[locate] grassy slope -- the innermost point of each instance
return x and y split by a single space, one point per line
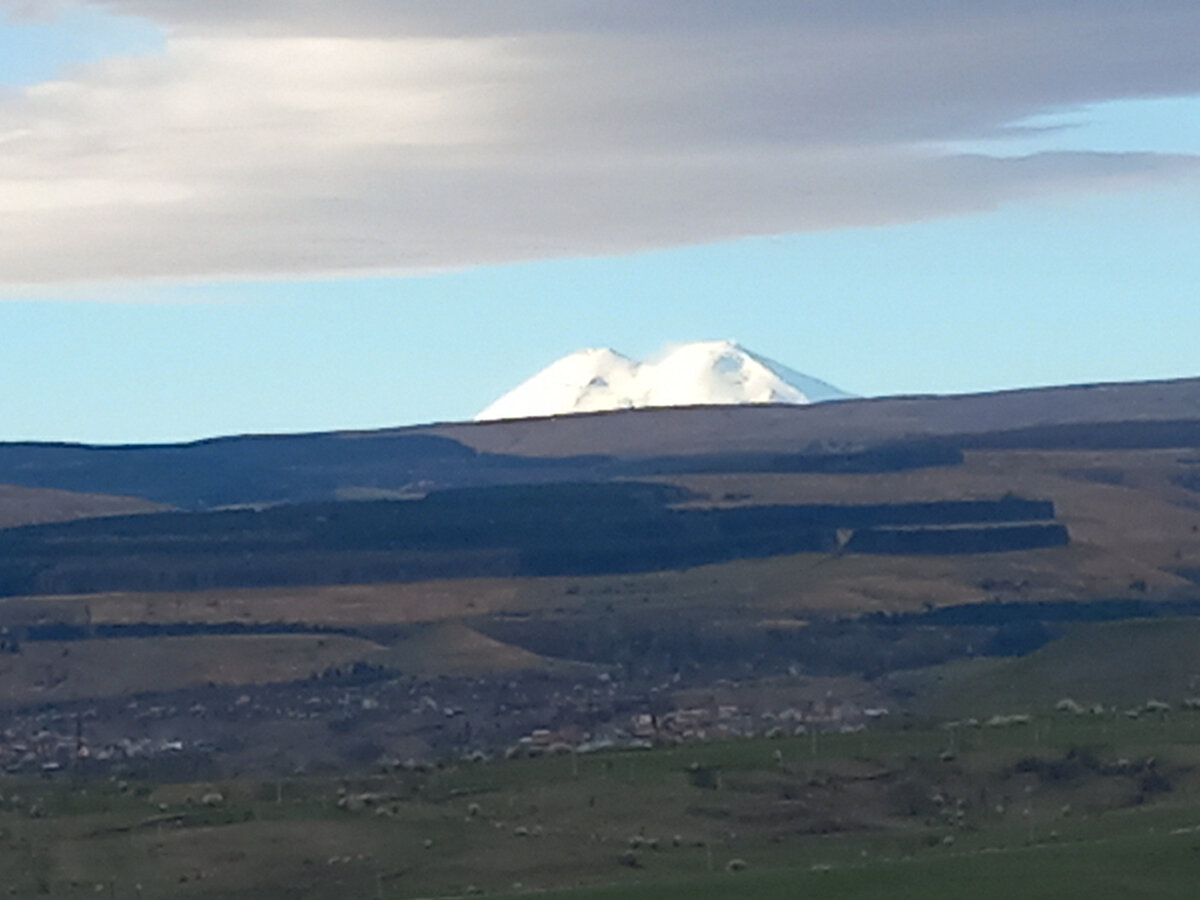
1122 663
33 506
562 822
1135 866
57 671
52 671
454 649
326 605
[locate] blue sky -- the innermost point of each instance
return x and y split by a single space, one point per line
35 49
188 254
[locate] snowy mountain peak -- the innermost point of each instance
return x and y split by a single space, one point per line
698 373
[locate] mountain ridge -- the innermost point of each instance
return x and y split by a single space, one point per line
699 373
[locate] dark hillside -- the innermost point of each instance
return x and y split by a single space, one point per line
940 541
260 470
230 470
569 528
304 468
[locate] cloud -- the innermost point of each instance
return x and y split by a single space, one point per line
302 137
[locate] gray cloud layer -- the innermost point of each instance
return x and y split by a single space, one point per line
302 136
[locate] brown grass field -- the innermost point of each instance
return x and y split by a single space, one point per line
57 671
35 506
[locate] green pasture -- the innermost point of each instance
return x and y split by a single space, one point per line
823 816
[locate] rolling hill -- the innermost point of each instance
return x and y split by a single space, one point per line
563 572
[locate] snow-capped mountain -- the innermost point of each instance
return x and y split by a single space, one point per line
699 373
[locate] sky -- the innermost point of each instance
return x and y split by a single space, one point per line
247 216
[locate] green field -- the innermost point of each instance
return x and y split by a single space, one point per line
1065 806
1124 865
1122 663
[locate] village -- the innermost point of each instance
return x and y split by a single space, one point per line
321 723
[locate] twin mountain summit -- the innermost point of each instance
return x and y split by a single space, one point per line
598 379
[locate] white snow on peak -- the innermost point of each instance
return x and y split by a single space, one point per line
699 373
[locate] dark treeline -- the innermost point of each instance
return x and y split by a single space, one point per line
940 541
658 646
355 674
563 528
524 516
869 515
